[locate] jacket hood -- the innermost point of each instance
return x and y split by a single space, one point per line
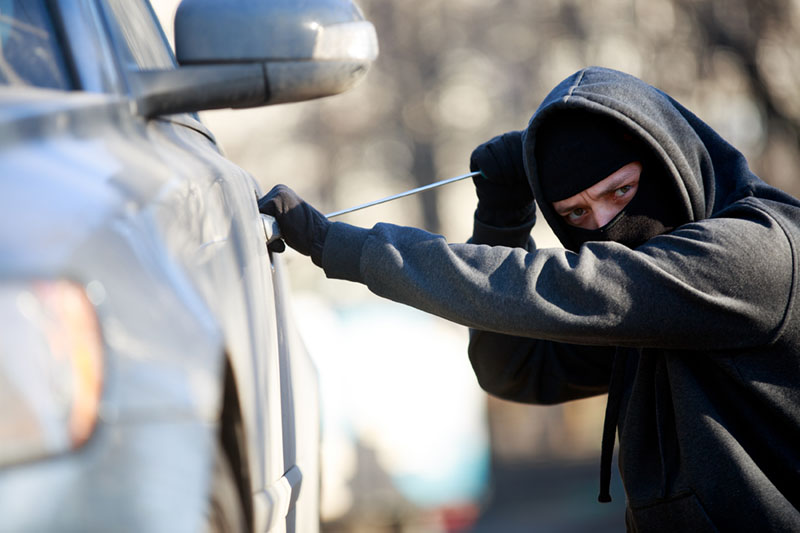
708 173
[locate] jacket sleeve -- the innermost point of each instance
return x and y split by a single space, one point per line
530 370
717 284
538 371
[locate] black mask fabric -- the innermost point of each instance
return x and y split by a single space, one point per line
654 210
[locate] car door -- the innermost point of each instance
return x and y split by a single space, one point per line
208 217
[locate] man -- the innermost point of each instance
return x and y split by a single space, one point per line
676 293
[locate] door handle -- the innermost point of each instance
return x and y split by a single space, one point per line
271 230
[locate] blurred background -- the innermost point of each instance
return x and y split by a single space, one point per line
410 443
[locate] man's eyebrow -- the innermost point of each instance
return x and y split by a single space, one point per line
615 183
566 208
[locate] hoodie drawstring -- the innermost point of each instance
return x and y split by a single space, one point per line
610 423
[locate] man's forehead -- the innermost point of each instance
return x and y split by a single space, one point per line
617 178
627 173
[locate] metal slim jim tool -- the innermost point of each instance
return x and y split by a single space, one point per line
273 232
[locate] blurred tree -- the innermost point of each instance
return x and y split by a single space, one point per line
415 62
761 35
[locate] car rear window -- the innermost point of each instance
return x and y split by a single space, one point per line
29 52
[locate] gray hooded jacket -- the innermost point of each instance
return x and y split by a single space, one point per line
695 334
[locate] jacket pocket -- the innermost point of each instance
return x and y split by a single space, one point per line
682 512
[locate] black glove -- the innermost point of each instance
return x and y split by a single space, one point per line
302 227
505 197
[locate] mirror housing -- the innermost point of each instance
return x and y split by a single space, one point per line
248 53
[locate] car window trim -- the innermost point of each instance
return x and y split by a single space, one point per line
85 39
62 42
104 12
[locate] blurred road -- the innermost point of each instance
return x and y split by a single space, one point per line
551 497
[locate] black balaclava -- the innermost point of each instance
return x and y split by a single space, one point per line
576 149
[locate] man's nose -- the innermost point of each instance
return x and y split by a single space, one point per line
605 214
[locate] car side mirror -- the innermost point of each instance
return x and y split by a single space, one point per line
248 53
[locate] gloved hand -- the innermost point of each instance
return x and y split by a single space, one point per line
504 193
302 227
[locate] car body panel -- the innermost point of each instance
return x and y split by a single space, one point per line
83 491
75 218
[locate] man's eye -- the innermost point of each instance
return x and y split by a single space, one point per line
622 191
576 213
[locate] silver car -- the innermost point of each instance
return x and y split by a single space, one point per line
150 375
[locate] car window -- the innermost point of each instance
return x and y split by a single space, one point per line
29 51
138 36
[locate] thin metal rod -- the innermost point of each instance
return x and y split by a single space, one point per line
402 194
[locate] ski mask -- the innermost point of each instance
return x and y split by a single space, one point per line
576 149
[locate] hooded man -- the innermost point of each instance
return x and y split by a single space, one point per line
676 293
